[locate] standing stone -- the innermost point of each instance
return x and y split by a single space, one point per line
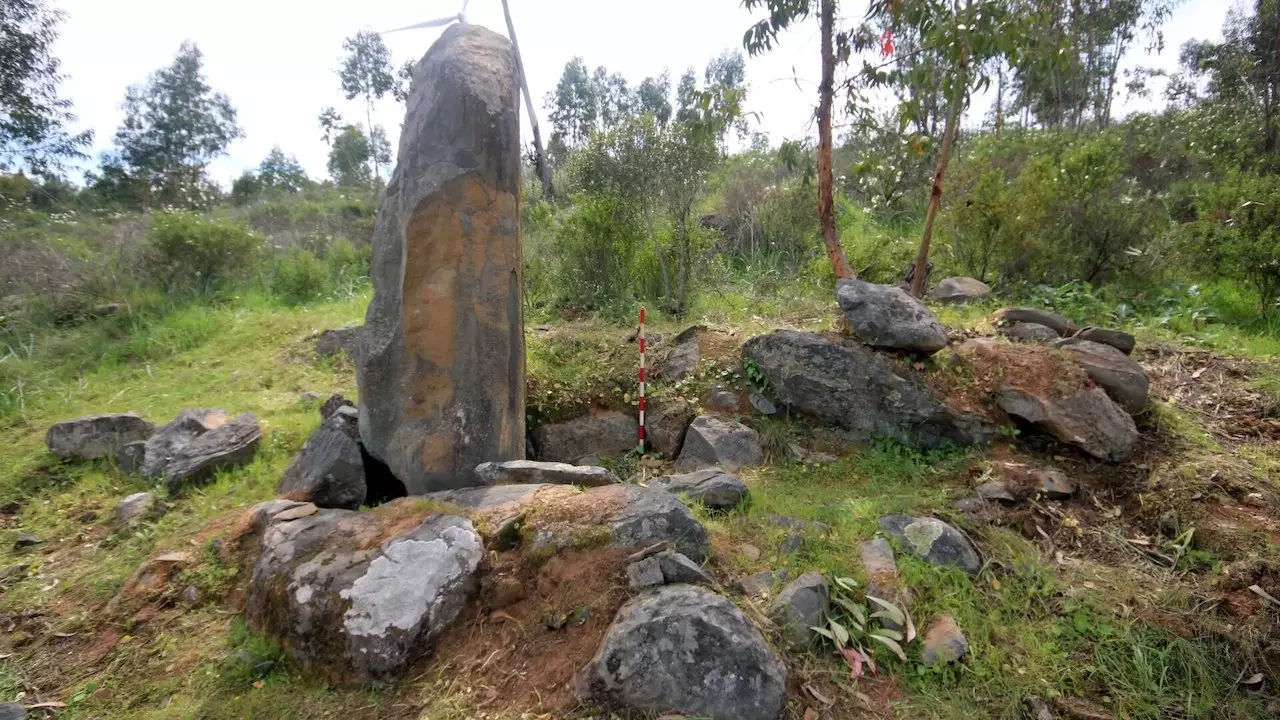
441 362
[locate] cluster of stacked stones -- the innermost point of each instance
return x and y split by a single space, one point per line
354 597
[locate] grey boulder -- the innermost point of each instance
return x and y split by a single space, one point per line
684 649
712 487
599 434
229 446
960 290
531 471
96 436
354 614
719 441
681 361
12 711
676 568
131 457
329 471
888 317
666 424
801 605
850 386
1029 332
725 401
934 541
1123 379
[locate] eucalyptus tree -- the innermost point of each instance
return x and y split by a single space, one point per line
367 73
762 37
33 116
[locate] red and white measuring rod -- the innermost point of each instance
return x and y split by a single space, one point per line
640 448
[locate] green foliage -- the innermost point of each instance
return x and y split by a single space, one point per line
348 158
595 249
174 125
199 254
1235 233
299 276
33 117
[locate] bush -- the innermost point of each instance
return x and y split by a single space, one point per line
1236 234
595 250
298 276
200 254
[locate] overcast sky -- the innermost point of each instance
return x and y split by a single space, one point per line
277 59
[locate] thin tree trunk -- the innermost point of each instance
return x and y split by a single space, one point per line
999 99
373 143
657 251
826 183
935 196
544 168
1274 90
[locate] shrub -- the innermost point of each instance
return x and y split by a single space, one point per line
298 276
595 249
201 254
1236 234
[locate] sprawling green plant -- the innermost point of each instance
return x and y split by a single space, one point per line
201 254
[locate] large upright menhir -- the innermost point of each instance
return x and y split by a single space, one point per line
441 367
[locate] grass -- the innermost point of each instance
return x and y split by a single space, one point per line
1034 625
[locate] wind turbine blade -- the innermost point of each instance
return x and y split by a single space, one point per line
428 24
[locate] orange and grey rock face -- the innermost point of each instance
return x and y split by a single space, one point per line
441 369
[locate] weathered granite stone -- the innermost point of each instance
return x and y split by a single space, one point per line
595 435
887 317
96 436
441 366
713 440
231 445
173 436
934 541
960 290
685 649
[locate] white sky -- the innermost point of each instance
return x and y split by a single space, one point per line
277 59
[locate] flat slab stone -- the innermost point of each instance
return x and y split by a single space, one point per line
713 487
960 290
1060 324
1122 341
1029 332
228 446
96 436
531 471
171 437
1123 379
485 498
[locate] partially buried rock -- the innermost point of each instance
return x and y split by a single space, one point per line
441 367
342 340
356 614
334 402
681 361
720 441
846 384
25 541
800 606
173 436
887 317
12 711
757 583
685 649
882 573
943 642
725 401
1122 341
96 436
599 434
960 290
666 424
1061 325
329 471
934 541
134 508
1029 332
997 491
1123 379
1053 394
762 404
622 516
232 445
1054 484
713 487
677 568
530 471
645 573
131 457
